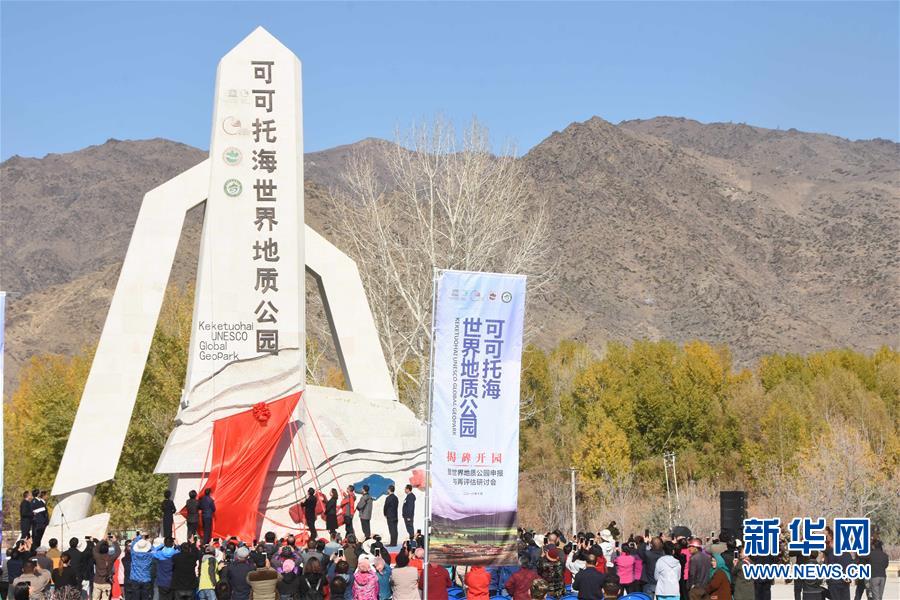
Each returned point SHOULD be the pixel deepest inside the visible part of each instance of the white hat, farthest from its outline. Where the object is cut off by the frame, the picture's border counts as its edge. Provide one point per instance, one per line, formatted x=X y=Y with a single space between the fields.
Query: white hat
x=142 y=545
x=606 y=535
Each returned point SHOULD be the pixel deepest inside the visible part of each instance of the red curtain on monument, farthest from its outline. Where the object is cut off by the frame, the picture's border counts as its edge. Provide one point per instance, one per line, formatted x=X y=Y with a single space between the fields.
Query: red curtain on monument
x=242 y=450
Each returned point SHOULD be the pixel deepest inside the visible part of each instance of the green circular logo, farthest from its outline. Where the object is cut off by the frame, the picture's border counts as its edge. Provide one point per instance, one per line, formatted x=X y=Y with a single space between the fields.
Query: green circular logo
x=232 y=156
x=506 y=297
x=233 y=187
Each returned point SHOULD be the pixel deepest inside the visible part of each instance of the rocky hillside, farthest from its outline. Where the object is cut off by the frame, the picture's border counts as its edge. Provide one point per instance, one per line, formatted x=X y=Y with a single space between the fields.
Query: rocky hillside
x=765 y=240
x=768 y=241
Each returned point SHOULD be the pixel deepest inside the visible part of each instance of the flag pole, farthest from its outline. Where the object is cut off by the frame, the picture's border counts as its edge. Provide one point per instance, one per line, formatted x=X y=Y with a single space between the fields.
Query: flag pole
x=434 y=279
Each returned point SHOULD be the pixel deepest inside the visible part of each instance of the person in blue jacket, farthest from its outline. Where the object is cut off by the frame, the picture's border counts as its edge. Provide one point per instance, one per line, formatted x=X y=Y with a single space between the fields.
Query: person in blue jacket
x=139 y=576
x=207 y=508
x=163 y=556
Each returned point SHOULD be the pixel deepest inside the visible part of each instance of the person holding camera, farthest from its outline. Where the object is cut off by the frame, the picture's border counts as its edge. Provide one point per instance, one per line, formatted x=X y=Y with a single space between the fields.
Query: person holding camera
x=105 y=553
x=35 y=577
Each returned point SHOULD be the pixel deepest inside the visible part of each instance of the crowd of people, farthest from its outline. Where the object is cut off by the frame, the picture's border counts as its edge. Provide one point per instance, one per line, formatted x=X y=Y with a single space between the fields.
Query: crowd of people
x=674 y=566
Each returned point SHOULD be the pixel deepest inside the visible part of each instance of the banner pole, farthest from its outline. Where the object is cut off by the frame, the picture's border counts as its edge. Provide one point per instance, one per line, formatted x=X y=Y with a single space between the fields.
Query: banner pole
x=427 y=532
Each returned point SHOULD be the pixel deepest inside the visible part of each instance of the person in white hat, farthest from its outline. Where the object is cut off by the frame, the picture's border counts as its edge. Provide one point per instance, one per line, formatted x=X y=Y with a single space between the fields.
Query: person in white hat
x=607 y=545
x=140 y=574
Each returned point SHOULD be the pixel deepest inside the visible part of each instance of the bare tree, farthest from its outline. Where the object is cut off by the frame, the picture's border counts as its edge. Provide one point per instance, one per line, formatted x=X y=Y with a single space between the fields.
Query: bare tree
x=444 y=204
x=838 y=475
x=547 y=504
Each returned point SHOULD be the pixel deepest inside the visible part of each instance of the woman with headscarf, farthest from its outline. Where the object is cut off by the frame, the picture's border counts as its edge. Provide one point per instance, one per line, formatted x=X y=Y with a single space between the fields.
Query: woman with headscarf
x=289 y=585
x=365 y=581
x=719 y=586
x=383 y=572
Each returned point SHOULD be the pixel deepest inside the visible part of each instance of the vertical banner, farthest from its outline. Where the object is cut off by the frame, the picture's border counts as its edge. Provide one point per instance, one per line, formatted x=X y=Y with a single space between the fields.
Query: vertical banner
x=476 y=367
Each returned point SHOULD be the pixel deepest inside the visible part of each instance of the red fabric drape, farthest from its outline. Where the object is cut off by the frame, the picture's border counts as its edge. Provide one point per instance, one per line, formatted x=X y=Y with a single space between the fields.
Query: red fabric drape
x=242 y=451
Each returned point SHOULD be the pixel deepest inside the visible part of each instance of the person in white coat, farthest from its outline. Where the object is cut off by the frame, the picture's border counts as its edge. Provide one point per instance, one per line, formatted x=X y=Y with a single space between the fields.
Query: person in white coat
x=608 y=545
x=668 y=574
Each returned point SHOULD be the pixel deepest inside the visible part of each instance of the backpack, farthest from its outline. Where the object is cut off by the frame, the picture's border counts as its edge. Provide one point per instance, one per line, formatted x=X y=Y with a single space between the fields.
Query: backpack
x=314 y=591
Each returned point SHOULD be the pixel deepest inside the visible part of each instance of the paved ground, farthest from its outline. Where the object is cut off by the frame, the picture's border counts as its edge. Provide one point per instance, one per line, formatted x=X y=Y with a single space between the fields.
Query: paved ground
x=783 y=591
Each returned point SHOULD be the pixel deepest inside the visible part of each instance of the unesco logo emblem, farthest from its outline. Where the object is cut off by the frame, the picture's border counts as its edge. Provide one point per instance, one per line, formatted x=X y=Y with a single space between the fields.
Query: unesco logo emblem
x=232 y=156
x=506 y=297
x=233 y=187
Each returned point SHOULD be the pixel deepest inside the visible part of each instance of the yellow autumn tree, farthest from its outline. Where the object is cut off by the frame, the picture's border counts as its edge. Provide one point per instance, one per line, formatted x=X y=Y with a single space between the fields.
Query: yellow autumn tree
x=602 y=454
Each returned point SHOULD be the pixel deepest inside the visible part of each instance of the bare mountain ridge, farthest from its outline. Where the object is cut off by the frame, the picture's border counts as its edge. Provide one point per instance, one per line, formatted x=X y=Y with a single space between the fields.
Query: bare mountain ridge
x=768 y=241
x=695 y=246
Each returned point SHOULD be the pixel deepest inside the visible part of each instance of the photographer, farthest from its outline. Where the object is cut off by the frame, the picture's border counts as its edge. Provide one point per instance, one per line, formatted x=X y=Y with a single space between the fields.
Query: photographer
x=105 y=554
x=35 y=577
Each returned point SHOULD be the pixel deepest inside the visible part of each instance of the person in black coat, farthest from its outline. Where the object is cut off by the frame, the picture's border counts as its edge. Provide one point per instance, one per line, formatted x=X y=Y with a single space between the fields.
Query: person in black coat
x=331 y=507
x=40 y=517
x=26 y=515
x=192 y=518
x=168 y=514
x=207 y=509
x=184 y=572
x=309 y=511
x=589 y=581
x=76 y=559
x=409 y=510
x=391 y=504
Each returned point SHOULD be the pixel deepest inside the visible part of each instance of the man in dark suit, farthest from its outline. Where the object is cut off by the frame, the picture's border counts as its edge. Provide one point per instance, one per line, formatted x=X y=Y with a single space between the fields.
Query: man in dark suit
x=207 y=508
x=409 y=510
x=40 y=517
x=391 y=504
x=26 y=515
x=168 y=514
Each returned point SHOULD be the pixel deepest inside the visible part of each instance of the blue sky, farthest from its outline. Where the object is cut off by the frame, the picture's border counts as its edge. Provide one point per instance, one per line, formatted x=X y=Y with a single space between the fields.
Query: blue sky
x=75 y=74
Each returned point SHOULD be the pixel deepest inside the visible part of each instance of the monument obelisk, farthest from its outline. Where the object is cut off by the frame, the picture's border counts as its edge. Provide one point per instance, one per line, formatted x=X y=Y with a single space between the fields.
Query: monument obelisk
x=248 y=339
x=247 y=347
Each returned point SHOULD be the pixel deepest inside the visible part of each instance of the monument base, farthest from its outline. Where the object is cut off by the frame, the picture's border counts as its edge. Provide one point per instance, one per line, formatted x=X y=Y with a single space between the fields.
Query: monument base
x=63 y=530
x=339 y=438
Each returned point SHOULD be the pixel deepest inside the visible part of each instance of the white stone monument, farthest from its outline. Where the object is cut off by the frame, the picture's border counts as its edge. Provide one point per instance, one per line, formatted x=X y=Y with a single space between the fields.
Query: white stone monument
x=248 y=339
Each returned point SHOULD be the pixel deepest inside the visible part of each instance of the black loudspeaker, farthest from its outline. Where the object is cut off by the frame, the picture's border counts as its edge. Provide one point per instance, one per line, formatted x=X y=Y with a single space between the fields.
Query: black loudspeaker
x=732 y=512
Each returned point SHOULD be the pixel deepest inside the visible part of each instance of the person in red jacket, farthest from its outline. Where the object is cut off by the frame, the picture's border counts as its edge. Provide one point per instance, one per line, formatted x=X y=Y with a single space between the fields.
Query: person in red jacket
x=519 y=583
x=348 y=508
x=438 y=582
x=477 y=582
x=601 y=562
